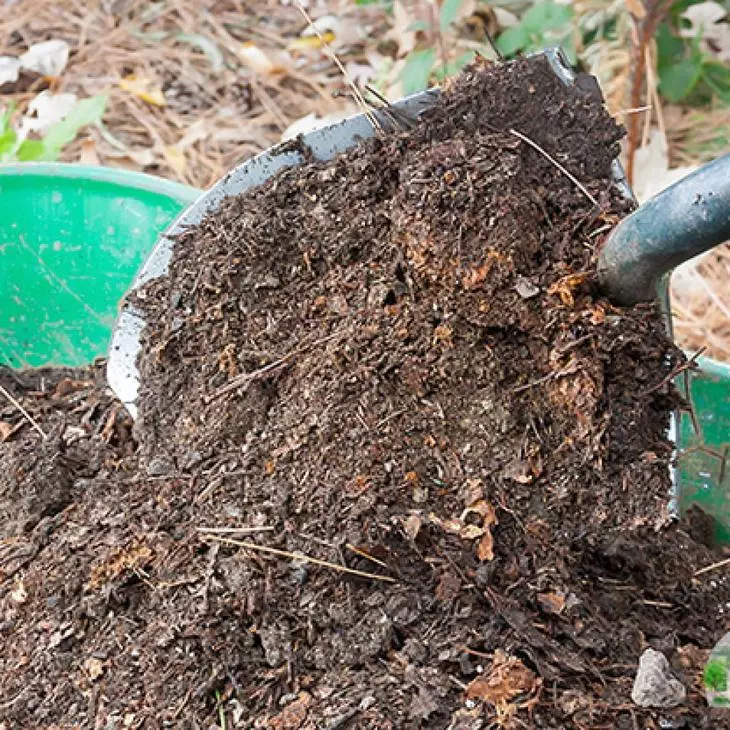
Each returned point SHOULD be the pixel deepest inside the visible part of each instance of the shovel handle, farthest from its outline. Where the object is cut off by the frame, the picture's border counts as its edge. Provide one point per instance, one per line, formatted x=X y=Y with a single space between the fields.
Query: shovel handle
x=683 y=221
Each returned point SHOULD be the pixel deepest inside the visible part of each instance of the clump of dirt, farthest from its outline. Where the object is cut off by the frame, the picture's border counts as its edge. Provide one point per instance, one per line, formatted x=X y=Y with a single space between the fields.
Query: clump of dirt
x=400 y=465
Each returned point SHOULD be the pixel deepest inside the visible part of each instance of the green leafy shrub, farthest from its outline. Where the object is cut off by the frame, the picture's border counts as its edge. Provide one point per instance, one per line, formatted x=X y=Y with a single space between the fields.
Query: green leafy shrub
x=50 y=146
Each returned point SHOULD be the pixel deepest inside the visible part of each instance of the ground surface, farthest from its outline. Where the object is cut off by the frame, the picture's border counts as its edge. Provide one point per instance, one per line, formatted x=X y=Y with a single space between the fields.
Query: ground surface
x=397 y=365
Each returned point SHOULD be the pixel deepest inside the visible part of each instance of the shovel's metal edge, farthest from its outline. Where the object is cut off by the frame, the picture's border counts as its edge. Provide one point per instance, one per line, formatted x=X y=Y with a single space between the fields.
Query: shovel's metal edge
x=324 y=144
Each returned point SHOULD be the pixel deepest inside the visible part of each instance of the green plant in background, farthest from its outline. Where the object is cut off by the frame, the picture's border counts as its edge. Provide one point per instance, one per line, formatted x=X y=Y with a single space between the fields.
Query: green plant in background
x=14 y=148
x=686 y=72
x=544 y=24
x=715 y=676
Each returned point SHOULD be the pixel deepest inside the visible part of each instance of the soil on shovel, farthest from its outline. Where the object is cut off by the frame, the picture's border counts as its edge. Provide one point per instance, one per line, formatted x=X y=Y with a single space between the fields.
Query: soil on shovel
x=398 y=464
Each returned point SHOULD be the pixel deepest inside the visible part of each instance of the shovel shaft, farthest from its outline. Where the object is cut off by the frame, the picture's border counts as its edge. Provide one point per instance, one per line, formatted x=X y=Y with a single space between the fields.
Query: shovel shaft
x=685 y=220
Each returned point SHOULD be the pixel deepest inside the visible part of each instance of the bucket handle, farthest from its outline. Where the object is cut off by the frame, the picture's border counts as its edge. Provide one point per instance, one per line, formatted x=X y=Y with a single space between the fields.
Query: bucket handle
x=683 y=221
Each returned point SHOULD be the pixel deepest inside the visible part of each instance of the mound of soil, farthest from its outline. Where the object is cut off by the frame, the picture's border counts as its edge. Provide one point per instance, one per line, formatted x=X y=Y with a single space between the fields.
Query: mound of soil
x=398 y=464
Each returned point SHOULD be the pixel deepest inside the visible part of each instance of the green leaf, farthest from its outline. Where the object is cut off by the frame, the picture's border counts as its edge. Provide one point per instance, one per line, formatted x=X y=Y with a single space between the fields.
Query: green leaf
x=546 y=16
x=678 y=80
x=670 y=49
x=417 y=70
x=31 y=150
x=7 y=142
x=449 y=12
x=86 y=111
x=453 y=67
x=512 y=40
x=717 y=76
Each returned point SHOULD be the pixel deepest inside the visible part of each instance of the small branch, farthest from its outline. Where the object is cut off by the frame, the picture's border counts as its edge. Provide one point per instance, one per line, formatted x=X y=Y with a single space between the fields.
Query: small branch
x=567 y=174
x=246 y=378
x=714 y=566
x=333 y=56
x=25 y=413
x=303 y=558
x=685 y=366
x=234 y=530
x=643 y=31
x=367 y=556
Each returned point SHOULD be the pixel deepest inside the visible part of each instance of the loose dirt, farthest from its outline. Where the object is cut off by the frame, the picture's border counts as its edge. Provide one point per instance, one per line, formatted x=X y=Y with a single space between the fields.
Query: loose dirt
x=398 y=464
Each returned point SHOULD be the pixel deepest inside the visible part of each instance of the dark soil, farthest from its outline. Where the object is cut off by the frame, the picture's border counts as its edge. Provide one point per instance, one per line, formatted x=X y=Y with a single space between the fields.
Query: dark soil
x=397 y=363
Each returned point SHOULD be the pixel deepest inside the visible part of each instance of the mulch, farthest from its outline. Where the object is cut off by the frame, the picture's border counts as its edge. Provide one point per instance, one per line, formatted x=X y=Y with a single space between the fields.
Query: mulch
x=398 y=463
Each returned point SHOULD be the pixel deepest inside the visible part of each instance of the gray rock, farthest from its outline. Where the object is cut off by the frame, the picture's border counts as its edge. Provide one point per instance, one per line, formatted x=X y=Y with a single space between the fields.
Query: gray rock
x=655 y=684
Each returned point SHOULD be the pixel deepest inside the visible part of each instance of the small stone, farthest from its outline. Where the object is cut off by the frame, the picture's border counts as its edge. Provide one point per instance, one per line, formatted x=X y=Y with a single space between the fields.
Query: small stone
x=526 y=289
x=159 y=466
x=367 y=702
x=655 y=684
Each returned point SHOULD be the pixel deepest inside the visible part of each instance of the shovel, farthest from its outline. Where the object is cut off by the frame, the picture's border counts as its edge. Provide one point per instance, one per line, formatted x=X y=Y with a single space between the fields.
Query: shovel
x=685 y=220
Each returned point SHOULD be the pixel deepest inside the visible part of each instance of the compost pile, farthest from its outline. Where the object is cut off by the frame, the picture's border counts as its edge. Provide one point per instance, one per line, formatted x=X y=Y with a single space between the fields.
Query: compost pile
x=397 y=463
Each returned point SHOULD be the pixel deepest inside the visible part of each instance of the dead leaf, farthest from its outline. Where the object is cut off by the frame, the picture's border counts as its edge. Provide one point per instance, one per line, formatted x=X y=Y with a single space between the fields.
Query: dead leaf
x=423 y=705
x=18 y=594
x=551 y=602
x=448 y=587
x=45 y=110
x=143 y=88
x=293 y=715
x=565 y=287
x=175 y=158
x=506 y=678
x=132 y=558
x=257 y=60
x=9 y=70
x=48 y=58
x=311 y=42
x=6 y=430
x=636 y=8
x=89 y=155
x=651 y=168
x=66 y=386
x=412 y=526
x=94 y=668
x=485 y=548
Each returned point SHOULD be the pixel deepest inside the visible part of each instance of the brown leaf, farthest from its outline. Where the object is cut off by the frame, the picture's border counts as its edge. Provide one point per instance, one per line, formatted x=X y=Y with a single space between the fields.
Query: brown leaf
x=293 y=715
x=506 y=678
x=551 y=602
x=412 y=526
x=636 y=8
x=565 y=287
x=94 y=668
x=485 y=548
x=66 y=386
x=448 y=587
x=6 y=430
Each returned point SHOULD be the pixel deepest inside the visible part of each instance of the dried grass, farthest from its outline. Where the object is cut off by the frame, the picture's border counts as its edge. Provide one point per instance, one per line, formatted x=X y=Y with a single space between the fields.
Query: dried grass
x=214 y=117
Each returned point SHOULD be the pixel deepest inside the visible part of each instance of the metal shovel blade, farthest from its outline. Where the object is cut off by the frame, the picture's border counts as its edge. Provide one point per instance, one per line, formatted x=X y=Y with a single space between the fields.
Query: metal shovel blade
x=324 y=143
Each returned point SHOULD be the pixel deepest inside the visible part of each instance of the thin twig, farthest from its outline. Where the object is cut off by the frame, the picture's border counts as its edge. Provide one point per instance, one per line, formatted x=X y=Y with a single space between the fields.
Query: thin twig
x=685 y=366
x=234 y=530
x=301 y=557
x=246 y=378
x=367 y=556
x=25 y=413
x=333 y=56
x=567 y=174
x=714 y=566
x=657 y=604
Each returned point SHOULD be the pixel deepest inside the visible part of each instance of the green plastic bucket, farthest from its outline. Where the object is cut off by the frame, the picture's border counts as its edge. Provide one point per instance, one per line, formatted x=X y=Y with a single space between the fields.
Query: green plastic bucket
x=72 y=237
